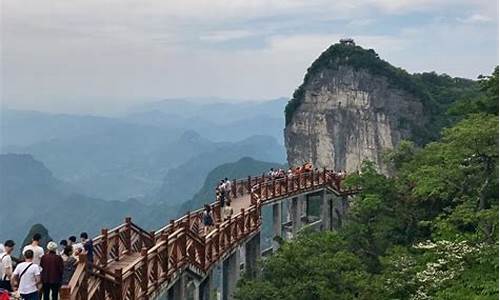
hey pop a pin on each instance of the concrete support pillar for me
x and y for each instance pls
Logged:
(206, 286)
(295, 215)
(179, 290)
(304, 208)
(195, 290)
(337, 213)
(326, 210)
(276, 224)
(252, 253)
(298, 211)
(230, 275)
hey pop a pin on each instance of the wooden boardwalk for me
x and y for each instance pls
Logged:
(132, 263)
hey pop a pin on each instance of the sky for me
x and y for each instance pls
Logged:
(104, 56)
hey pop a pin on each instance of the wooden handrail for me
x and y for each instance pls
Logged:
(179, 243)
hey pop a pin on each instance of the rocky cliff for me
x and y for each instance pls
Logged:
(353, 106)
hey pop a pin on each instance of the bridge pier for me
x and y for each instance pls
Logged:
(277, 209)
(252, 253)
(179, 290)
(230, 275)
(298, 213)
(326, 210)
(205, 287)
(339, 210)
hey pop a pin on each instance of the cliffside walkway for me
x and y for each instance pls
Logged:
(132, 263)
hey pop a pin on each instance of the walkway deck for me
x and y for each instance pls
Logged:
(131, 263)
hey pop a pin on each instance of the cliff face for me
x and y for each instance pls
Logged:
(344, 114)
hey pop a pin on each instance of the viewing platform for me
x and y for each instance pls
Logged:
(132, 263)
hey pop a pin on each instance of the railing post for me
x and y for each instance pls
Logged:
(119, 280)
(243, 221)
(216, 241)
(274, 188)
(280, 187)
(128, 235)
(103, 260)
(183, 246)
(312, 178)
(233, 188)
(82, 259)
(167, 257)
(249, 184)
(286, 183)
(145, 273)
(65, 292)
(324, 176)
(152, 233)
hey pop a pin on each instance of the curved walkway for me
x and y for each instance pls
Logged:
(131, 263)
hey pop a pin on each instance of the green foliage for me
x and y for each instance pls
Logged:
(429, 232)
(332, 272)
(486, 102)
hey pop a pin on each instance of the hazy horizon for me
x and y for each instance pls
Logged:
(101, 57)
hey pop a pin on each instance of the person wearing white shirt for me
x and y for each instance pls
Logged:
(35, 247)
(6, 265)
(26, 278)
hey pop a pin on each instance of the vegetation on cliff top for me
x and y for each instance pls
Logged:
(429, 232)
(437, 92)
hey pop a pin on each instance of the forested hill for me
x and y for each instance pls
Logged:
(429, 232)
(30, 195)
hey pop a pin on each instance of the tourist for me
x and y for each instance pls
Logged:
(6, 265)
(222, 198)
(88, 247)
(227, 188)
(70, 263)
(71, 240)
(26, 277)
(227, 211)
(35, 247)
(62, 245)
(52, 272)
(76, 246)
(208, 220)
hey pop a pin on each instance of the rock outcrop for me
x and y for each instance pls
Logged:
(351, 107)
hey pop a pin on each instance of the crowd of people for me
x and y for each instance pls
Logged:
(223, 197)
(223, 191)
(41, 273)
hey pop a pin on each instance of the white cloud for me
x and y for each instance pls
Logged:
(475, 19)
(56, 53)
(226, 35)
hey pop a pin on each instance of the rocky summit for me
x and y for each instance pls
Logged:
(354, 106)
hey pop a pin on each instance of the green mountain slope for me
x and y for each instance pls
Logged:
(31, 195)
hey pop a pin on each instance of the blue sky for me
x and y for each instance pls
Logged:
(102, 56)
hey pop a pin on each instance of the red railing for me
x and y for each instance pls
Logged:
(158, 257)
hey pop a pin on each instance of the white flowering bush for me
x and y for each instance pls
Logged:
(444, 261)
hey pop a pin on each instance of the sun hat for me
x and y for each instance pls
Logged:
(52, 246)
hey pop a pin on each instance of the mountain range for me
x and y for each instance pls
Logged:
(140, 155)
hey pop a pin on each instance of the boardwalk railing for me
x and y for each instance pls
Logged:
(163, 254)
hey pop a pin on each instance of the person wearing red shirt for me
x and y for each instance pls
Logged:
(52, 272)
